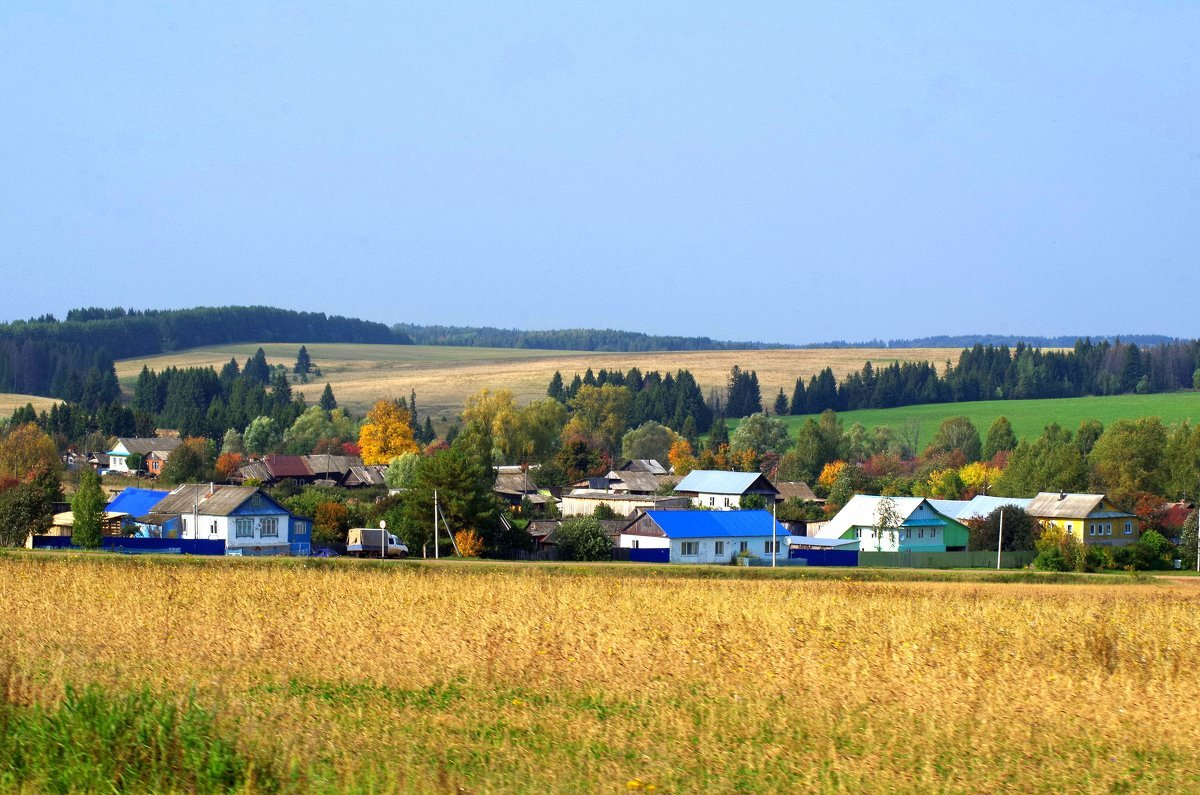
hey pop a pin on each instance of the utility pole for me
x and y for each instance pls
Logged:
(774, 543)
(1000, 542)
(383, 539)
(435, 525)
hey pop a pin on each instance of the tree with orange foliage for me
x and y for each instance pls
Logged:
(330, 523)
(386, 433)
(24, 449)
(830, 472)
(470, 543)
(228, 464)
(681, 457)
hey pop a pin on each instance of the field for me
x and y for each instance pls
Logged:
(1028, 417)
(10, 403)
(444, 376)
(350, 676)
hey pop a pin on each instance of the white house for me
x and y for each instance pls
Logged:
(918, 526)
(246, 519)
(118, 457)
(711, 488)
(707, 536)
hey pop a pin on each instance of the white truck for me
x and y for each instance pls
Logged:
(366, 542)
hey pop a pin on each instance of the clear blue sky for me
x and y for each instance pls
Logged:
(785, 172)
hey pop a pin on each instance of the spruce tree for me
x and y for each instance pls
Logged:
(719, 434)
(303, 364)
(781, 403)
(799, 399)
(556, 390)
(87, 506)
(328, 401)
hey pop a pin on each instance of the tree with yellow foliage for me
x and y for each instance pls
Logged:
(681, 457)
(24, 449)
(979, 477)
(385, 434)
(830, 472)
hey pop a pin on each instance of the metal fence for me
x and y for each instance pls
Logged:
(825, 557)
(132, 546)
(945, 560)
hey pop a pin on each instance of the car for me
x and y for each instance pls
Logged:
(324, 553)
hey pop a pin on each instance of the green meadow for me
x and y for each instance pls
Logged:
(1028, 417)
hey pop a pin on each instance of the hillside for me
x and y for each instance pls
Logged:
(1028, 417)
(444, 376)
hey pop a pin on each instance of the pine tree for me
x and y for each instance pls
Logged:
(781, 403)
(719, 434)
(556, 390)
(328, 401)
(428, 436)
(304, 363)
(87, 506)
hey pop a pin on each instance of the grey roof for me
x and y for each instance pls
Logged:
(1055, 505)
(795, 488)
(983, 505)
(207, 499)
(817, 541)
(324, 464)
(644, 482)
(649, 465)
(366, 475)
(712, 481)
(515, 483)
(138, 446)
(255, 470)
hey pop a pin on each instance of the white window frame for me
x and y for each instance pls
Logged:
(718, 547)
(636, 544)
(743, 546)
(212, 528)
(689, 549)
(268, 527)
(712, 502)
(1128, 528)
(727, 502)
(771, 547)
(243, 528)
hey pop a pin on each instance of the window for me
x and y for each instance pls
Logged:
(269, 528)
(212, 529)
(636, 544)
(743, 546)
(770, 547)
(712, 501)
(858, 532)
(921, 533)
(1091, 529)
(1108, 528)
(1070, 527)
(1129, 528)
(689, 548)
(718, 547)
(933, 533)
(243, 528)
(726, 502)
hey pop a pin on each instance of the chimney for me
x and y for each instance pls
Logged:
(1062, 495)
(211, 489)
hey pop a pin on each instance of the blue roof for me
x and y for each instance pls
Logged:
(716, 524)
(135, 502)
(715, 481)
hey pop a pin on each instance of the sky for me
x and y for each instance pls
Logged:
(783, 172)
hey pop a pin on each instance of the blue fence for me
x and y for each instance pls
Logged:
(165, 546)
(825, 557)
(650, 555)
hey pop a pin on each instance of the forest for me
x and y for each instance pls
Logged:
(43, 355)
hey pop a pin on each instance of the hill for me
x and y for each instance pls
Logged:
(444, 376)
(1028, 417)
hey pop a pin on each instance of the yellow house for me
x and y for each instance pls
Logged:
(1089, 517)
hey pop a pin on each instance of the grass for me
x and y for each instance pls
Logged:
(444, 376)
(509, 677)
(1028, 417)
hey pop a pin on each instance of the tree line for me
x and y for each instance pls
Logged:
(45, 356)
(579, 339)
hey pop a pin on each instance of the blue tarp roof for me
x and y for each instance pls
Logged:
(716, 524)
(135, 502)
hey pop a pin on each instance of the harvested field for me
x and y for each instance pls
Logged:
(456, 677)
(10, 403)
(444, 376)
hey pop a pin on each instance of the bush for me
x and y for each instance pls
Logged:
(583, 539)
(1150, 552)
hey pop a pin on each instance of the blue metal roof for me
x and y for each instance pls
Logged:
(716, 524)
(715, 481)
(135, 502)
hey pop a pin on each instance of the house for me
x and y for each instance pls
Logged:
(118, 457)
(249, 521)
(583, 502)
(274, 468)
(361, 476)
(706, 536)
(135, 503)
(978, 507)
(1174, 516)
(709, 488)
(154, 462)
(514, 484)
(795, 490)
(1092, 518)
(634, 482)
(921, 527)
(63, 524)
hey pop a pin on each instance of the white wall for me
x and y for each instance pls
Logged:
(225, 531)
(631, 541)
(708, 553)
(720, 502)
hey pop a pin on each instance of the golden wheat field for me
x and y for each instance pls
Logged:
(444, 376)
(10, 402)
(517, 678)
